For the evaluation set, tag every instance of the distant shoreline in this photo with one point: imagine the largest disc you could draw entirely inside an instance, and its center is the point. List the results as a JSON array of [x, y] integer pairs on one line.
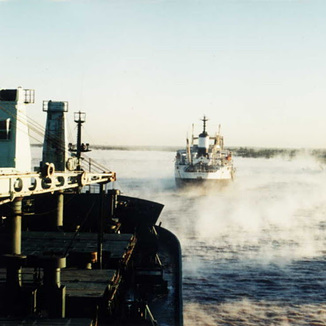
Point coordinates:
[[249, 152]]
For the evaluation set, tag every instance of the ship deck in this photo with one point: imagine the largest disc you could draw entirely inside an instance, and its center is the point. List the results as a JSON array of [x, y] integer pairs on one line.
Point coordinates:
[[46, 322], [73, 245], [115, 246], [85, 285]]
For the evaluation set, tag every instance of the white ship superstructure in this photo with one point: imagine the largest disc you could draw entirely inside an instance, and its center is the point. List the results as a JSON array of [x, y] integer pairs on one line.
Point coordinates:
[[204, 159], [15, 154]]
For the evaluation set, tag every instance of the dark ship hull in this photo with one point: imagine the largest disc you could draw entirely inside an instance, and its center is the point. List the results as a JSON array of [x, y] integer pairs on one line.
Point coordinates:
[[107, 265]]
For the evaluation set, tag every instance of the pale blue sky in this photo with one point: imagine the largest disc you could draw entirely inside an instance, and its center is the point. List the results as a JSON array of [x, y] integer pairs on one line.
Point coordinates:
[[145, 70]]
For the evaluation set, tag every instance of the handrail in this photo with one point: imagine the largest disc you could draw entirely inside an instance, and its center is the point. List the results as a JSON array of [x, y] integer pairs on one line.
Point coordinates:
[[14, 185], [149, 316]]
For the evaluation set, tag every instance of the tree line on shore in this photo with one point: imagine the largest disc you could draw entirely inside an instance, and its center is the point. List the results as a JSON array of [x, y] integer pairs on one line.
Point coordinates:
[[246, 152], [286, 153]]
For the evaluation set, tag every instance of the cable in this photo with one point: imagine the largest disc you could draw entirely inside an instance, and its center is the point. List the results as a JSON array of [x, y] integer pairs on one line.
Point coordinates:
[[40, 132]]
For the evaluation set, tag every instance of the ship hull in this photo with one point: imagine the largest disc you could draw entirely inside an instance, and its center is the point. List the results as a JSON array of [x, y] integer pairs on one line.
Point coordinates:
[[141, 263], [208, 184], [220, 176]]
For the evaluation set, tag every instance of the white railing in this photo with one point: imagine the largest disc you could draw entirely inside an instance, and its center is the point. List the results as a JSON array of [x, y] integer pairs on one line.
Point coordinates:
[[14, 185]]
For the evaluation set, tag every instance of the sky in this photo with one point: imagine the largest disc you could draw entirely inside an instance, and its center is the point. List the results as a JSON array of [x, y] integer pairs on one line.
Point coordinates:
[[145, 70]]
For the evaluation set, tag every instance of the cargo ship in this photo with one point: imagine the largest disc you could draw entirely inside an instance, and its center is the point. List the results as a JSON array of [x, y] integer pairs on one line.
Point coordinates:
[[205, 160], [74, 250]]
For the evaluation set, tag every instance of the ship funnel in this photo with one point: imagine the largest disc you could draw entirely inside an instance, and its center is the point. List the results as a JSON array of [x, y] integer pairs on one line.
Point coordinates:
[[55, 141], [15, 151], [203, 140]]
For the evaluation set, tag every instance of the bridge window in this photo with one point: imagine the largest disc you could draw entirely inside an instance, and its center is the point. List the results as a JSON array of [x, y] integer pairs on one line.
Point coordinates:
[[8, 95], [5, 129]]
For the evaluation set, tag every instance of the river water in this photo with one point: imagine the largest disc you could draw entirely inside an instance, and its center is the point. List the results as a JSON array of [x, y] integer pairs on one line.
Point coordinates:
[[254, 252]]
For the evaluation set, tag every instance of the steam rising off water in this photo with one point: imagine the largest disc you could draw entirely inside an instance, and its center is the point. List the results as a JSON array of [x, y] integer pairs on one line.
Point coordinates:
[[253, 252]]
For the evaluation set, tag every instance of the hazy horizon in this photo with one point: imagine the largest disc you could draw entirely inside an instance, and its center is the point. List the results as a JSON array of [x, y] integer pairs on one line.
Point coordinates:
[[145, 70]]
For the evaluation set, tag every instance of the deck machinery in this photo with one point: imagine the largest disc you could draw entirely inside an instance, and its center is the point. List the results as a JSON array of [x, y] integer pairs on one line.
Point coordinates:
[[70, 256]]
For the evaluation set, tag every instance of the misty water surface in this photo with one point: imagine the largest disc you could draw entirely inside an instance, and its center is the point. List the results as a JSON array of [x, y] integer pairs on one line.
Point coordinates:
[[253, 252]]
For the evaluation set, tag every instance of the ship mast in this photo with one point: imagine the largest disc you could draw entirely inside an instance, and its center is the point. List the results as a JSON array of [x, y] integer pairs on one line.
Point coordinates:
[[79, 118], [204, 124]]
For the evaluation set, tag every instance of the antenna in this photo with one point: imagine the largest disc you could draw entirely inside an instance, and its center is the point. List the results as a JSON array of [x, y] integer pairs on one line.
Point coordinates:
[[204, 122], [192, 135]]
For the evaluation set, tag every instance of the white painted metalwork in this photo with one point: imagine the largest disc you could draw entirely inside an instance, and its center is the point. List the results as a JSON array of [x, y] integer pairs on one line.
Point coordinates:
[[14, 138], [205, 159], [16, 178], [13, 185]]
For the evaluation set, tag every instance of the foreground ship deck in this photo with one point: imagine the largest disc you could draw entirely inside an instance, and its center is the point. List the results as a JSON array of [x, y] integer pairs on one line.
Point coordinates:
[[70, 257], [85, 288]]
